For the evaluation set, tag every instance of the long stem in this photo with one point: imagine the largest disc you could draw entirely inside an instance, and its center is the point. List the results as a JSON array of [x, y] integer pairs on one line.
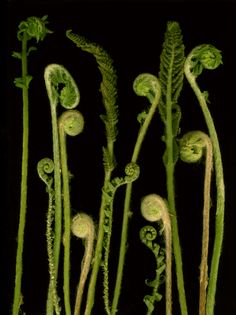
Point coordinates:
[[170, 168], [98, 253], [205, 230], [58, 202], [24, 174], [126, 214], [219, 220], [67, 220]]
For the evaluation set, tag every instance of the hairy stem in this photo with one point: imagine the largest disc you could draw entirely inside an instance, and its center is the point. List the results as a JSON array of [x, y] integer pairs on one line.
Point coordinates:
[[83, 227], [192, 147], [205, 231], [219, 220], [67, 220]]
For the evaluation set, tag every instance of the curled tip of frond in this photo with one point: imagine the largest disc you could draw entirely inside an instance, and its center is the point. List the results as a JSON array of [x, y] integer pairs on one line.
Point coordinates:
[[152, 207], [34, 27], [147, 84], [82, 225], [61, 86], [193, 145], [72, 122], [203, 56]]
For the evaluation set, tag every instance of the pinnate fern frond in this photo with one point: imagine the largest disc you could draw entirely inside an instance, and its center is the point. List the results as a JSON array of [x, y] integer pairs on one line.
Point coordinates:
[[108, 84], [171, 69]]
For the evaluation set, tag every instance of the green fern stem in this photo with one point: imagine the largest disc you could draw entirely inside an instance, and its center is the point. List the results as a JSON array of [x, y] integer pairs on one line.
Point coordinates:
[[110, 118], [24, 175], [193, 145], [171, 78], [45, 167], [170, 180], [144, 85], [71, 122], [191, 76]]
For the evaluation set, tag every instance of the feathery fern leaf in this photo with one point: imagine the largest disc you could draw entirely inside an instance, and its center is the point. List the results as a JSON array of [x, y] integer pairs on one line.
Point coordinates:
[[108, 84], [171, 78]]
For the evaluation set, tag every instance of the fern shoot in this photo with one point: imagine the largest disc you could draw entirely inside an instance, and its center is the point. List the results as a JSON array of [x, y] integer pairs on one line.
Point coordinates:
[[110, 119], [171, 79], [32, 28], [208, 57], [61, 88], [144, 85]]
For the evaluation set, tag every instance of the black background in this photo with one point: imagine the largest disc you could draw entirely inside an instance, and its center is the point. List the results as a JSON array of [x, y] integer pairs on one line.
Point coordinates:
[[132, 32]]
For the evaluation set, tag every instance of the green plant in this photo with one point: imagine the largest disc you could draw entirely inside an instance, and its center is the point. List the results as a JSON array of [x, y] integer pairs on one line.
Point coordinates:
[[163, 94]]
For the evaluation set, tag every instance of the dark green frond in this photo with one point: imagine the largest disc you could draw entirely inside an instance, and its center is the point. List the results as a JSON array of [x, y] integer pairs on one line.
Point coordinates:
[[108, 84], [171, 67]]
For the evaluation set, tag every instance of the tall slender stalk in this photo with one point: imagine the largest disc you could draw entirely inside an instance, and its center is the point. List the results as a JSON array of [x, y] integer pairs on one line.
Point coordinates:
[[144, 85], [31, 28], [192, 147], [207, 56], [56, 76]]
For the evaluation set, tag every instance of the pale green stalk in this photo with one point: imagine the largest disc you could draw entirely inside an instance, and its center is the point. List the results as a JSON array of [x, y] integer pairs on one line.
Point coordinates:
[[207, 56]]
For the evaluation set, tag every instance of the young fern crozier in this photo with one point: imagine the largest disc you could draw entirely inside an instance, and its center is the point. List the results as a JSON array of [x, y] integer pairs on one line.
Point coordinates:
[[83, 227], [132, 172], [110, 119], [154, 209], [70, 123], [208, 57], [61, 88], [32, 28], [144, 85], [148, 234], [45, 167], [192, 147], [171, 79]]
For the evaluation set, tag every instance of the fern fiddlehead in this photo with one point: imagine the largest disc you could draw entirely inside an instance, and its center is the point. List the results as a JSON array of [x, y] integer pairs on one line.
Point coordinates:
[[144, 85], [192, 147], [154, 209], [132, 171], [32, 28], [209, 57], [45, 167], [110, 119], [171, 79], [83, 227], [70, 123], [61, 88], [148, 235]]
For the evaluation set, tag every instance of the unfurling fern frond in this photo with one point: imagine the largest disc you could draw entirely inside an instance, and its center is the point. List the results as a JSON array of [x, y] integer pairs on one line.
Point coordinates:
[[171, 67], [171, 79], [108, 84]]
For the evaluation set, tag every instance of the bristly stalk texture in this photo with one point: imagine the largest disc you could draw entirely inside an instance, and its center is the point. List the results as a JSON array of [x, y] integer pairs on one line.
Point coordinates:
[[83, 227], [132, 172], [110, 119], [146, 85], [45, 167], [35, 28], [209, 57], [70, 123], [171, 79], [154, 209], [192, 147], [61, 88]]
